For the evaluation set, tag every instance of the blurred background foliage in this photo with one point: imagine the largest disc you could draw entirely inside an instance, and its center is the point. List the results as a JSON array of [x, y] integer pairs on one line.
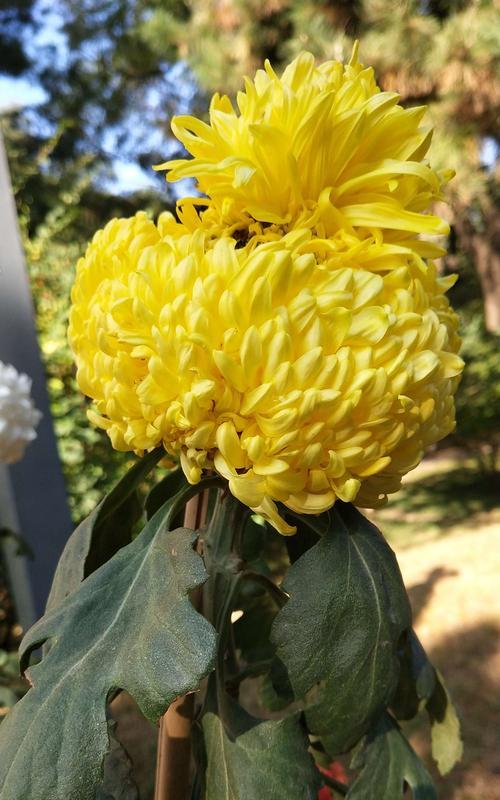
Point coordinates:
[[110, 75]]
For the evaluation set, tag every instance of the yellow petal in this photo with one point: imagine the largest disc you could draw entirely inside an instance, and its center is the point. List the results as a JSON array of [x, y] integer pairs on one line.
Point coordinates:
[[229, 445]]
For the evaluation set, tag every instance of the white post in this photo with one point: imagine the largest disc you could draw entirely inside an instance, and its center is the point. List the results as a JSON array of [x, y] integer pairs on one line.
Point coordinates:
[[17, 568], [32, 493]]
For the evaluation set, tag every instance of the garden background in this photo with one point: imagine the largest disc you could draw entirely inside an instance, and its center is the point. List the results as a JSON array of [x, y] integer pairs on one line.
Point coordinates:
[[87, 92]]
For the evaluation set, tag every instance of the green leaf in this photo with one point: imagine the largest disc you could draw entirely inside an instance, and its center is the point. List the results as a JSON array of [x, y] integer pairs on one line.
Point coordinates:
[[254, 539], [447, 745], [417, 678], [249, 758], [309, 526], [422, 686], [338, 633], [251, 632], [275, 691], [129, 626], [164, 490], [108, 528], [307, 534], [388, 763], [117, 783]]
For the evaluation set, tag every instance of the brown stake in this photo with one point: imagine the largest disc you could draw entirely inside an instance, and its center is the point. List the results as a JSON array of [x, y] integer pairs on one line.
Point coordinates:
[[174, 743]]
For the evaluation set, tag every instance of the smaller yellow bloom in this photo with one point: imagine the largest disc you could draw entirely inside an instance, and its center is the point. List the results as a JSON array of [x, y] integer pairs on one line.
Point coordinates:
[[321, 147]]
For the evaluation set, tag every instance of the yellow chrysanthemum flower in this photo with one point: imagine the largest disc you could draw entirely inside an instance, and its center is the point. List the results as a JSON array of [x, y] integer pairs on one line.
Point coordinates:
[[321, 147], [302, 369]]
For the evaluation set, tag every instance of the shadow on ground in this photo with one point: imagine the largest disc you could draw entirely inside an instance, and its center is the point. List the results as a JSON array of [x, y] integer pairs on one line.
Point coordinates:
[[436, 504], [454, 496], [421, 593], [469, 661], [466, 660]]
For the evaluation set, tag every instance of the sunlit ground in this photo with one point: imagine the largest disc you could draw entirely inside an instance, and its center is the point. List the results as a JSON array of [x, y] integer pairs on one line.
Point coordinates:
[[445, 528]]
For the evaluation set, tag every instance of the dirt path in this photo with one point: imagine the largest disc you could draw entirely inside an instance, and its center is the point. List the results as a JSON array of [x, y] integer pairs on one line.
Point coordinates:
[[454, 587]]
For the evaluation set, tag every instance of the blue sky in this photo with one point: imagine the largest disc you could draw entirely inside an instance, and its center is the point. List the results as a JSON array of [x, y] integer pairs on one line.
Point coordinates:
[[18, 92]]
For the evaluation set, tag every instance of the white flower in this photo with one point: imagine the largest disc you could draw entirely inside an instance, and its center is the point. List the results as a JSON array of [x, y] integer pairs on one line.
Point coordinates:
[[18, 415]]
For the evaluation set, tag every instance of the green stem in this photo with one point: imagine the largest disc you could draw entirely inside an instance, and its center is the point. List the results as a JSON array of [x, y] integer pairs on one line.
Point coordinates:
[[223, 566], [224, 530], [231, 657], [279, 596], [187, 492], [250, 671]]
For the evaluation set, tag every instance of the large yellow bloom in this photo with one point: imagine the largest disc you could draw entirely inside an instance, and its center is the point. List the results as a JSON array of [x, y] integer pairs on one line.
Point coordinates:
[[302, 369], [321, 147]]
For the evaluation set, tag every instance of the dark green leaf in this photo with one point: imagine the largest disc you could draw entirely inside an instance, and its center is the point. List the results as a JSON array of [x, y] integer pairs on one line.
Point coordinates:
[[199, 758], [108, 528], [251, 550], [307, 536], [196, 792], [252, 630], [338, 633], [131, 626], [388, 764], [309, 526], [421, 686], [248, 758], [281, 680], [275, 691], [117, 783], [296, 547], [417, 678], [254, 539], [164, 490]]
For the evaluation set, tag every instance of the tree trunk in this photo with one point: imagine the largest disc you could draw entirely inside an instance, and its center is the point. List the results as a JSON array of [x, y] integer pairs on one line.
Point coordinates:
[[484, 248]]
